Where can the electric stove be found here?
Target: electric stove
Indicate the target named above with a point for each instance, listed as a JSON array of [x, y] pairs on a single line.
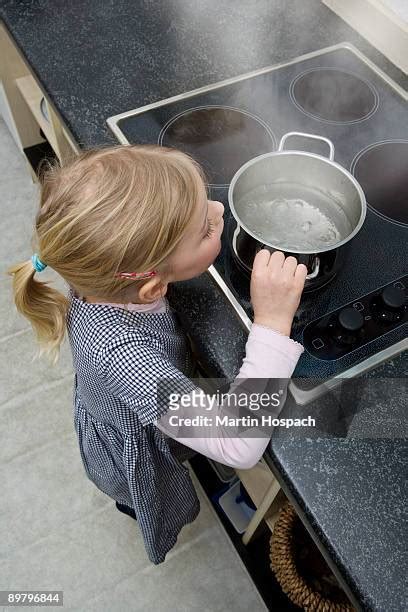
[[360, 318]]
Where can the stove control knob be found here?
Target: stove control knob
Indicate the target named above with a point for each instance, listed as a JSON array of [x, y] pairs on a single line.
[[393, 297], [388, 307], [349, 326]]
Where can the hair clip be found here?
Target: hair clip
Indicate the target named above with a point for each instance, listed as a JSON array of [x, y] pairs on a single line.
[[136, 275]]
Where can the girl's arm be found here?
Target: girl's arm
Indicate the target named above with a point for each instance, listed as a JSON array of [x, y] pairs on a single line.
[[269, 355]]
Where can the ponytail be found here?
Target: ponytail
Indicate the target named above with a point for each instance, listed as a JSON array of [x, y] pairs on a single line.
[[44, 307]]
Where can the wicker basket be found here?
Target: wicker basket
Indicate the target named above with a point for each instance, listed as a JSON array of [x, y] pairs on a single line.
[[301, 570]]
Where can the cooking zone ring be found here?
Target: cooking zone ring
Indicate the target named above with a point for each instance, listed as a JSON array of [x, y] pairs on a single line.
[[267, 144], [340, 103], [390, 170]]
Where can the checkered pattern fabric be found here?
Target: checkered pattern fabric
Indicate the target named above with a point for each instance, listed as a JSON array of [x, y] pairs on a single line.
[[118, 358]]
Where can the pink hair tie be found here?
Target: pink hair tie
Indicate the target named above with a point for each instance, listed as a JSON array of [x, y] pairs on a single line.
[[136, 274]]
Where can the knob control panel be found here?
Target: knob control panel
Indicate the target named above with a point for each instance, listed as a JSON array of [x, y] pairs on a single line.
[[357, 323]]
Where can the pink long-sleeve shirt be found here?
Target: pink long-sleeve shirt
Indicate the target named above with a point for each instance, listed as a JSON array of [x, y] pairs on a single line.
[[269, 354]]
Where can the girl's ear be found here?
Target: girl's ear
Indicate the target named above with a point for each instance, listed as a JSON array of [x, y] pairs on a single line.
[[152, 290]]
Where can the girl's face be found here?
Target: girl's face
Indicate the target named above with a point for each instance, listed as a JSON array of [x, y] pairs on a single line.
[[202, 242]]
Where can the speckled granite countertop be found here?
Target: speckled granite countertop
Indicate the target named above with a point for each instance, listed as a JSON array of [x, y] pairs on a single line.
[[97, 59]]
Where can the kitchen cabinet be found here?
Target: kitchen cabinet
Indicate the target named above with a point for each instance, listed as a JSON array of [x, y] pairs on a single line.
[[27, 110], [265, 492]]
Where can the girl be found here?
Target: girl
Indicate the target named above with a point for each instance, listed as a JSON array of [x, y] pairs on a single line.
[[119, 224]]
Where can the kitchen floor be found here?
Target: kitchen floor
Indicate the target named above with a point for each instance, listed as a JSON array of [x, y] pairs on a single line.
[[58, 531]]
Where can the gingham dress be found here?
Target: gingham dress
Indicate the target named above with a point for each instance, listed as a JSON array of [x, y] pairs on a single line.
[[118, 358]]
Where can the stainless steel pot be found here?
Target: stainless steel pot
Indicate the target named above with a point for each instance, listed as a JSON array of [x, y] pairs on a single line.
[[314, 205]]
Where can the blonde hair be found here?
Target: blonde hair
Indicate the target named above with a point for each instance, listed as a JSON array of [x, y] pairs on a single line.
[[113, 209]]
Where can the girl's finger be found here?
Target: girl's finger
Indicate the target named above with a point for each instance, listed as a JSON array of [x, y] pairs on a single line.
[[301, 272], [290, 265], [261, 259], [277, 259]]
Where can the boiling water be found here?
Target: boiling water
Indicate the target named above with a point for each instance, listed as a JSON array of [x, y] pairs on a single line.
[[295, 218]]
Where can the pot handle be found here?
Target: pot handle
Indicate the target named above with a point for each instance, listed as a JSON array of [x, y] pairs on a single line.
[[316, 261], [314, 136], [316, 266]]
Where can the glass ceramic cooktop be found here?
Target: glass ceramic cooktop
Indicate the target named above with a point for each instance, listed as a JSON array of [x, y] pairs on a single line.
[[338, 93]]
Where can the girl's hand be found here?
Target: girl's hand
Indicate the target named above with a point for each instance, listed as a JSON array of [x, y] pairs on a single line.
[[276, 287]]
